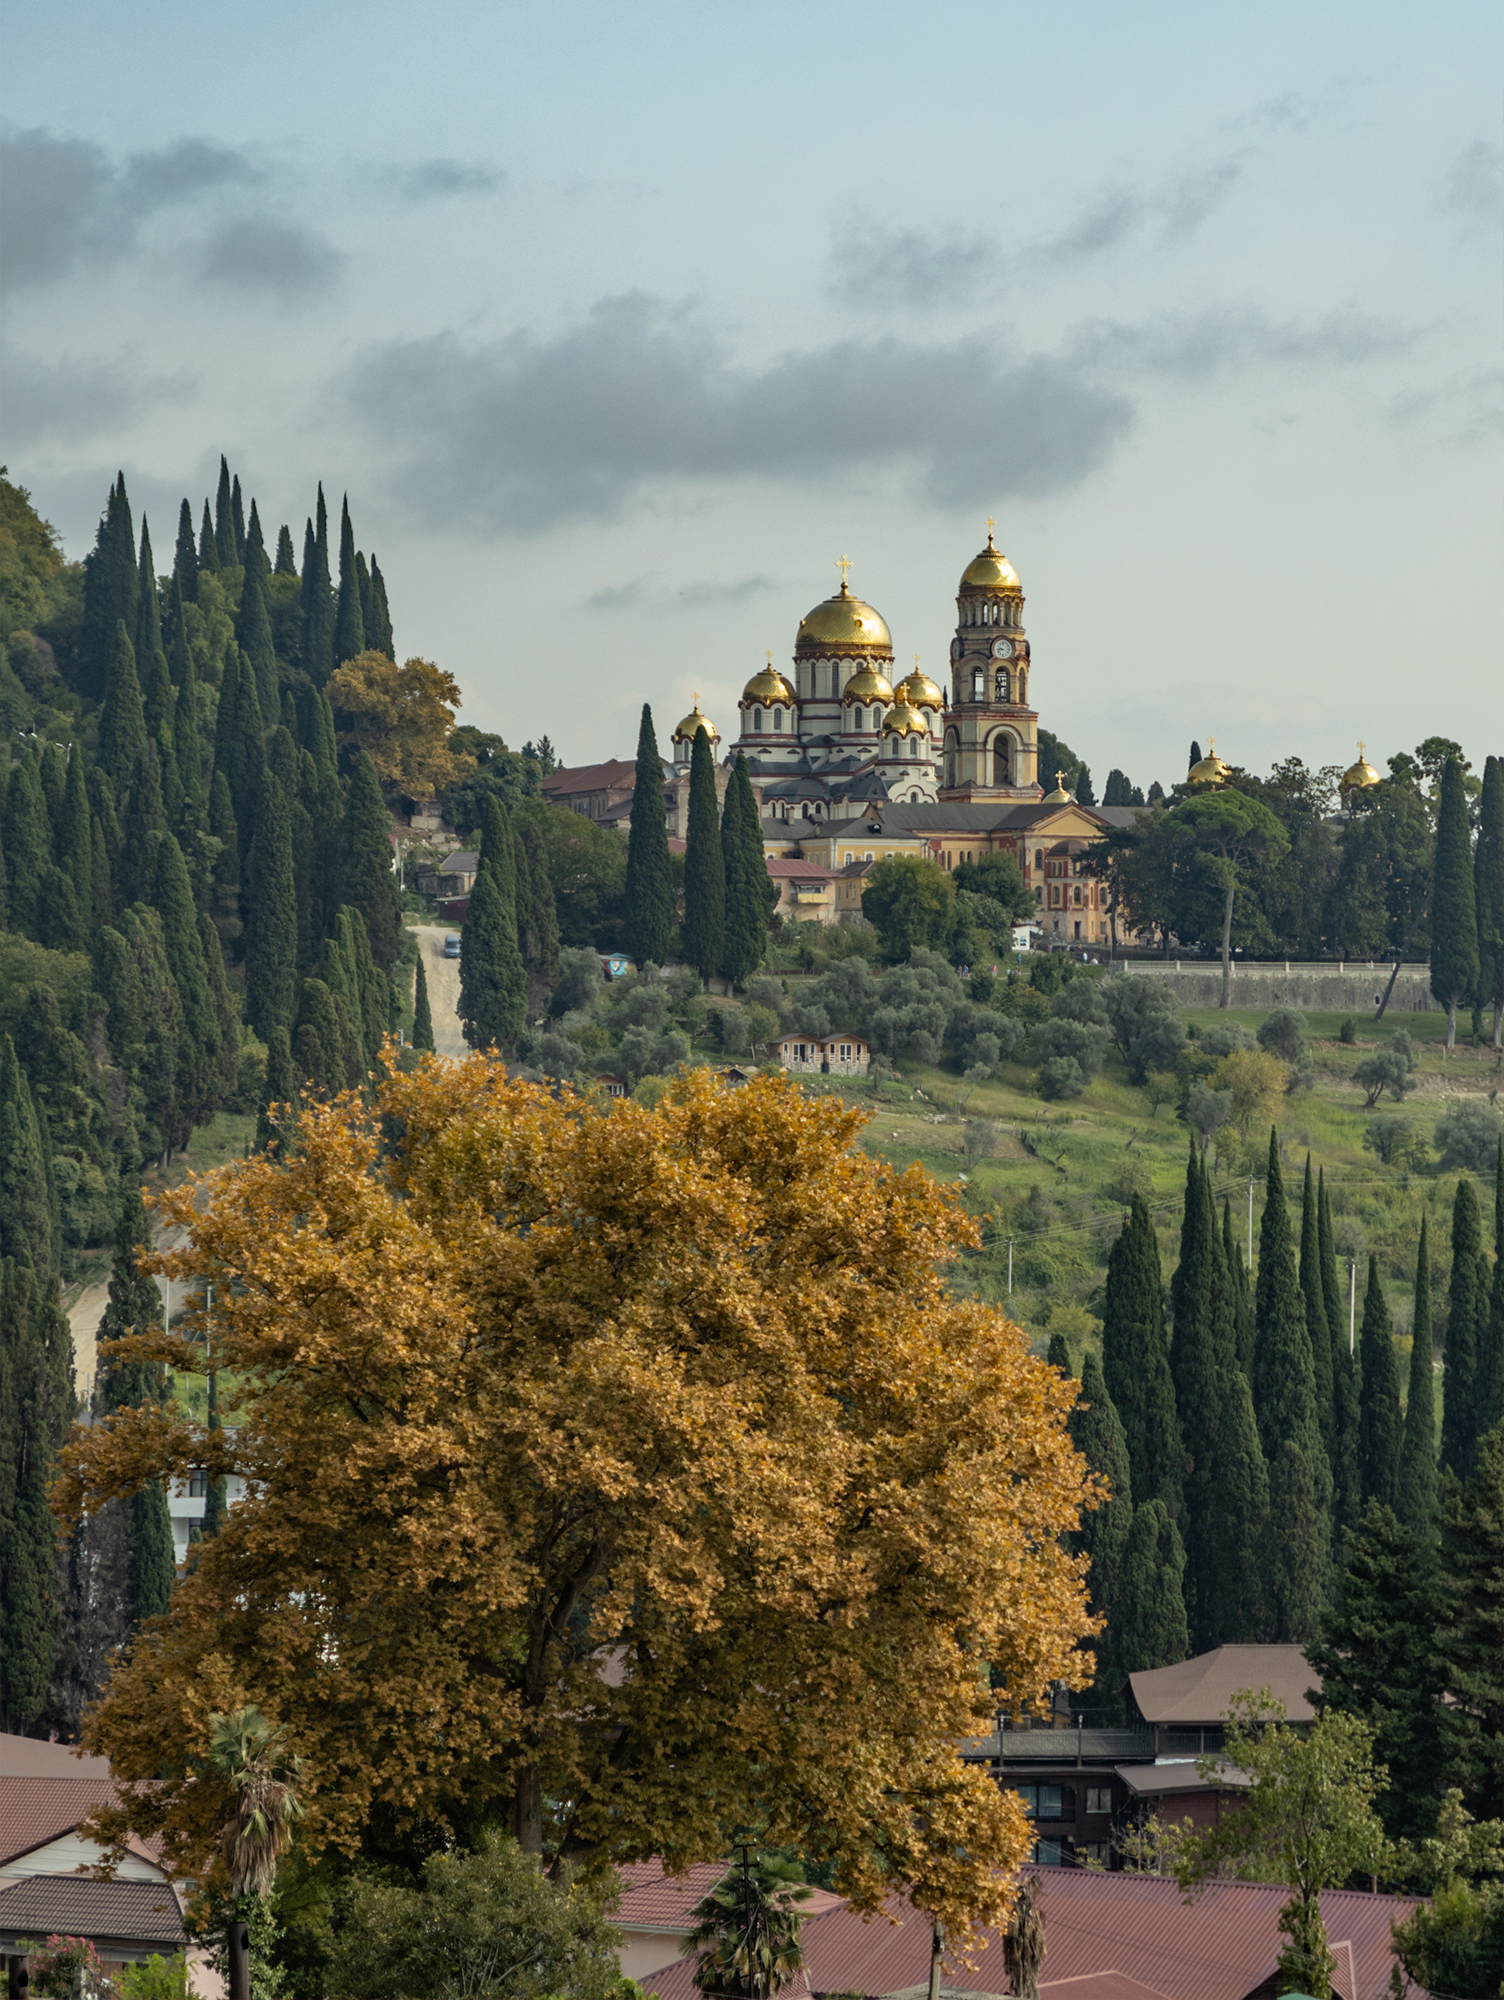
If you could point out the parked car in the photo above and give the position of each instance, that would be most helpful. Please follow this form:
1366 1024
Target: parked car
451 944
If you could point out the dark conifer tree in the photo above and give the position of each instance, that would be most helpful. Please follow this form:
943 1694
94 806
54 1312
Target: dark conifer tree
1238 1612
199 1069
134 1306
225 1010
26 1219
1097 1433
1058 1354
1317 1331
493 979
1379 1423
318 600
287 561
1136 1360
146 635
379 623
179 653
704 865
1242 1292
224 521
52 772
271 916
650 882
1376 1662
1200 1355
208 548
366 881
185 558
538 932
1415 1501
122 719
75 848
224 891
1489 1382
1347 1478
365 989
1488 894
1149 1616
214 1499
747 878
1284 1402
112 584
1459 1414
253 628
1470 1633
1454 917
28 849
187 747
145 823
422 1013
319 1047
237 518
280 1087
363 587
349 628
343 1034
36 1404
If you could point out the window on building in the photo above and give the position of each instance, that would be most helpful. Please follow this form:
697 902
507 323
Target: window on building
1042 1801
861 718
1039 857
1099 1798
1000 685
757 721
1047 1854
198 1484
1002 762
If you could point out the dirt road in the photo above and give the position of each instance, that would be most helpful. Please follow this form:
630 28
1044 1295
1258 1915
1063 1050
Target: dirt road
443 976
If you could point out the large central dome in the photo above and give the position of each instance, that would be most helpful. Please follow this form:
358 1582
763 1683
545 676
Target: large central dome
843 624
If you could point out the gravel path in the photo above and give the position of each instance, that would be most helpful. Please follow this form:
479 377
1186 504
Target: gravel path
443 976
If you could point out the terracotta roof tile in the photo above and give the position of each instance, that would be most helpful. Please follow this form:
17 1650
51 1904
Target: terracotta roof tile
77 1906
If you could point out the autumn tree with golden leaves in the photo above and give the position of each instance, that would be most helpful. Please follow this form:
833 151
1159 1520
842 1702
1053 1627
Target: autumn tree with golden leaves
403 716
626 1473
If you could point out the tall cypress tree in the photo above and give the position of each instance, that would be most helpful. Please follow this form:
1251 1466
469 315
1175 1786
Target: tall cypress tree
280 1087
1242 1291
1238 1613
28 849
75 848
1459 1415
1149 1616
146 635
208 548
1097 1433
271 916
237 518
185 557
214 1499
152 1564
1488 894
493 979
1489 1385
1284 1402
145 823
363 588
349 627
1317 1331
1347 1480
1200 1354
224 888
650 882
188 746
704 865
1415 1500
747 878
1470 1633
1136 1360
253 628
199 1048
378 623
286 563
366 881
318 606
122 719
1379 1424
224 520
35 1406
1454 917
422 1012
112 584
538 926
26 1222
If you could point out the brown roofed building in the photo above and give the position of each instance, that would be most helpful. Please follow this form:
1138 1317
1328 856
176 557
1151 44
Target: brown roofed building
1184 1706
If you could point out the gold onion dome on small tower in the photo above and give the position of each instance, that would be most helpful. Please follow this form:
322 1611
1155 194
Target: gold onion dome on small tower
920 690
1210 770
991 570
842 624
1060 796
694 724
1358 777
905 720
768 685
866 684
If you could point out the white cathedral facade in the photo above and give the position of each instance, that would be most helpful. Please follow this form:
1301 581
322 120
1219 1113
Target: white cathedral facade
839 733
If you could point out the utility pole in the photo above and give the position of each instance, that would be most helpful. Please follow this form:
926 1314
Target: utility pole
1010 1267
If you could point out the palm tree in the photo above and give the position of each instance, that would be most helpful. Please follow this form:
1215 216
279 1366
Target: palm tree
746 1940
1023 1943
246 1751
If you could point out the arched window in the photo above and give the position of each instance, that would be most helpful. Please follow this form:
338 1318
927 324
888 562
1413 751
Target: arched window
1001 684
777 718
978 684
757 720
913 746
1002 761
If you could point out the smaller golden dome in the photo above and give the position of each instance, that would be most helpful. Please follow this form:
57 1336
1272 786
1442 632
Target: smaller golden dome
694 723
905 720
991 570
1358 777
1060 796
920 690
768 685
866 684
1210 770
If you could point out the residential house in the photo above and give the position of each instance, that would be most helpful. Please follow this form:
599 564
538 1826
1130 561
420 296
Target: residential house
842 1054
454 876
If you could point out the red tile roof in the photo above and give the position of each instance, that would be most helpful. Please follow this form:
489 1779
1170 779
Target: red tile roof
34 1811
1136 1927
614 772
41 1906
651 1900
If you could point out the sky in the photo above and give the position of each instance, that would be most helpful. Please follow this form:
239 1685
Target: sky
620 325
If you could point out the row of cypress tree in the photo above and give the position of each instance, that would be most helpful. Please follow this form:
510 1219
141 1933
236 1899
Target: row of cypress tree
1467 899
197 892
1240 1436
509 948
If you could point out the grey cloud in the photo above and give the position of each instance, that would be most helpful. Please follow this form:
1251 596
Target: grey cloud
647 591
913 267
66 400
1187 203
1465 409
529 431
435 179
1194 348
1474 185
180 172
259 254
1109 221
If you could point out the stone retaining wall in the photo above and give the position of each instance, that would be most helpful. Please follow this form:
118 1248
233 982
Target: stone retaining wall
1317 989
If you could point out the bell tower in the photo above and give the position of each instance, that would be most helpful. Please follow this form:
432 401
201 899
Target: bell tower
991 748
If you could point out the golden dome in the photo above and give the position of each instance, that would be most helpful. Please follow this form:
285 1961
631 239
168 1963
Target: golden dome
768 685
991 570
920 690
1060 796
694 723
867 684
905 720
1211 770
842 624
1358 777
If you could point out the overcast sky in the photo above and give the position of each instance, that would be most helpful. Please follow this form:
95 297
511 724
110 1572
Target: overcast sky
620 324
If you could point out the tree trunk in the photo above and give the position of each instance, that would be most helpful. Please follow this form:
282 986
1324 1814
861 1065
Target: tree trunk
1498 1025
1452 1024
1227 948
238 1941
1387 991
527 1810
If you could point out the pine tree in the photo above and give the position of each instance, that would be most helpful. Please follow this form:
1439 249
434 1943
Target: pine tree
349 628
1284 1402
366 881
287 561
650 882
1454 918
185 558
493 979
224 520
1347 1479
1470 1633
208 548
1375 1662
1317 1331
379 624
1200 1356
122 719
1149 1616
318 607
112 583
1488 894
422 1014
26 1222
1379 1422
704 865
271 919
747 878
1415 1500
28 849
253 628
1136 1360
1459 1425
1097 1433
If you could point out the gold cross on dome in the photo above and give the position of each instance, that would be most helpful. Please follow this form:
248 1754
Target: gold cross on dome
991 524
770 656
1362 746
843 564
916 659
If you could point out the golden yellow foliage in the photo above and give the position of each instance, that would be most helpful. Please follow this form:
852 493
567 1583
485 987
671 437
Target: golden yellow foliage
625 1469
404 717
1257 1082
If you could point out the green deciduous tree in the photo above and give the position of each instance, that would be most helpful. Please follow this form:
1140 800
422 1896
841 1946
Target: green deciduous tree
1136 1360
910 903
1454 918
650 882
704 865
1379 1422
1415 1500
